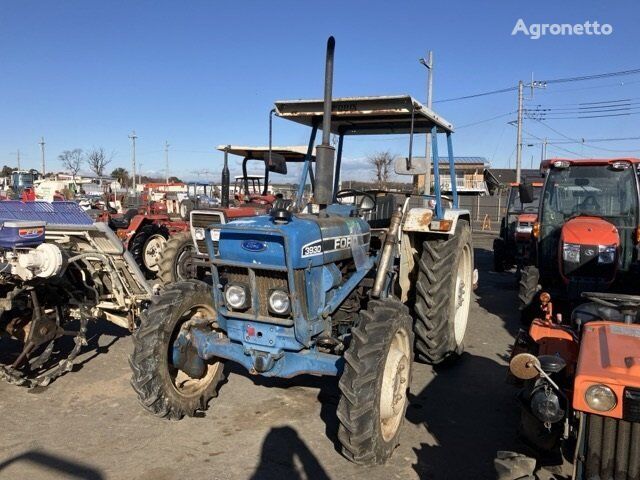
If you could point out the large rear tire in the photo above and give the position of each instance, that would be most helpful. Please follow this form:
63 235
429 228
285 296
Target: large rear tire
443 295
527 290
185 209
176 262
146 247
375 383
163 389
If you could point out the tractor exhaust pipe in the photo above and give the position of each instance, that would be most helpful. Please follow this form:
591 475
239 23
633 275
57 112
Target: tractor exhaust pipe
386 259
325 152
225 180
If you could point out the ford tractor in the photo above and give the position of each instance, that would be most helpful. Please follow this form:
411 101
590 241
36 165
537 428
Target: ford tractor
586 234
348 284
185 255
58 272
580 395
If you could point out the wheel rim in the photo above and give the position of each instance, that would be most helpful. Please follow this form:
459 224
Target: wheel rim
152 249
183 211
395 382
463 294
184 264
182 383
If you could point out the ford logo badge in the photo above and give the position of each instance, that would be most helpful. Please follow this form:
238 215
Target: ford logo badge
253 245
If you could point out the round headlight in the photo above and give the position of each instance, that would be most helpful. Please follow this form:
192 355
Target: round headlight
199 233
279 302
600 398
236 296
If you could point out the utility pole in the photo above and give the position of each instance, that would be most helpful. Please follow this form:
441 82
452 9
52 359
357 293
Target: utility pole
42 151
166 160
140 174
133 137
426 188
543 151
519 140
534 84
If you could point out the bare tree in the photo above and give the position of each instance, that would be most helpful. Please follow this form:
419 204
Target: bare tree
98 161
72 161
381 161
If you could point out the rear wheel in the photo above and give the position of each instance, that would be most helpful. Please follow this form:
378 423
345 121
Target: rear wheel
185 209
527 290
443 295
176 262
162 388
146 247
375 383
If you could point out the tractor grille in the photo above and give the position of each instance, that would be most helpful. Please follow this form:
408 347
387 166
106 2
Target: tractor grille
613 449
631 405
265 280
203 219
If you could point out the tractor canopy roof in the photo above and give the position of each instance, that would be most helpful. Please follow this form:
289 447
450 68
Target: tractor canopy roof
290 154
587 161
366 115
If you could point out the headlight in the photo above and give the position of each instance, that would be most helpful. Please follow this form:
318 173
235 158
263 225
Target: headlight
606 253
600 398
571 252
279 302
236 296
199 233
524 228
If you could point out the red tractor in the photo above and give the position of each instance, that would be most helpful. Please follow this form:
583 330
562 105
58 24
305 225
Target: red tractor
185 255
586 234
580 395
512 246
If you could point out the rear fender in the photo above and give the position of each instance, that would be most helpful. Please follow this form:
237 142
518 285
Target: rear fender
554 339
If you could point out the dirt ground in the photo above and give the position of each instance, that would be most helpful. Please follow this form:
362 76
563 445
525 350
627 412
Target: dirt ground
87 424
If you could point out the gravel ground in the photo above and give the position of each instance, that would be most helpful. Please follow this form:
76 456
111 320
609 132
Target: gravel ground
87 424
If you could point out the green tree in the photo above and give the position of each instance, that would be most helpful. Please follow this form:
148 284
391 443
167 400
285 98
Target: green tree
121 175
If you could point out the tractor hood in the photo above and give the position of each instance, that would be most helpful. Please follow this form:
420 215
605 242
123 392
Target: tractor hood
586 230
609 355
303 241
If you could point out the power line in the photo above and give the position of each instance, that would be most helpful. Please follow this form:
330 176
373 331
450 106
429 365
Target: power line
485 120
593 77
476 95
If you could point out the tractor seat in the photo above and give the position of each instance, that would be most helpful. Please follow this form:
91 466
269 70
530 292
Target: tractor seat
380 217
591 311
120 223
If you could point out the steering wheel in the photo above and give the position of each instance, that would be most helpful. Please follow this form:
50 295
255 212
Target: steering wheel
590 203
351 192
619 301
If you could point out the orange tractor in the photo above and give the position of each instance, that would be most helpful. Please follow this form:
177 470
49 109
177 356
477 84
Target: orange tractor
586 235
512 247
580 396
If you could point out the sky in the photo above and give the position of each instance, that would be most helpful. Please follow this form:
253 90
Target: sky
198 74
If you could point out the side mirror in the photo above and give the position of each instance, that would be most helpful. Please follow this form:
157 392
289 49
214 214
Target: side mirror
276 163
526 192
366 204
418 166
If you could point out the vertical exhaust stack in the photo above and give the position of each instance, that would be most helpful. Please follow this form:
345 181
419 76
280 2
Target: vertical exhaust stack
325 152
225 180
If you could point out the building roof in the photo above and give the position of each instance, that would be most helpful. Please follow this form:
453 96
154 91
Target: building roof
505 176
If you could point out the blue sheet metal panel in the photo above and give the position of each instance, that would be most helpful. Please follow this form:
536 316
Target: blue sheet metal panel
53 213
452 168
436 174
236 239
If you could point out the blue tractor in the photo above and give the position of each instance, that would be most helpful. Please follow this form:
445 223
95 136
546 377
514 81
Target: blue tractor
347 283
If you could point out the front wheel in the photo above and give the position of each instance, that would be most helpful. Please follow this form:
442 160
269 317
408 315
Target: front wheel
528 287
146 247
162 388
375 383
